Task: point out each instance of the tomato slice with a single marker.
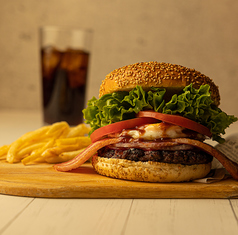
(177, 120)
(119, 126)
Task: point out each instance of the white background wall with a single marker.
(200, 34)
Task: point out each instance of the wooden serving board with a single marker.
(43, 181)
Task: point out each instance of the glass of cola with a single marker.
(64, 68)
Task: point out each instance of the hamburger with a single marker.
(150, 123)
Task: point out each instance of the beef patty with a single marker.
(185, 157)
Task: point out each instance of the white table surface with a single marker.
(25, 215)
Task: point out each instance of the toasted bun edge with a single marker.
(148, 171)
(148, 74)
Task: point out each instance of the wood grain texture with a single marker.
(70, 216)
(117, 216)
(11, 207)
(181, 217)
(43, 181)
(234, 205)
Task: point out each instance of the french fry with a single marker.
(37, 153)
(79, 130)
(63, 157)
(64, 146)
(81, 142)
(24, 152)
(58, 129)
(3, 151)
(28, 137)
(53, 143)
(55, 151)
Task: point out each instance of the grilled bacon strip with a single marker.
(85, 155)
(230, 166)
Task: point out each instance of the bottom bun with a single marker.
(149, 171)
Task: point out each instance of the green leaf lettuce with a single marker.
(194, 104)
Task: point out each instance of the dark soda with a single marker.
(64, 76)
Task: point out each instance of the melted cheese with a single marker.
(155, 131)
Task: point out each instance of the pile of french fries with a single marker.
(51, 144)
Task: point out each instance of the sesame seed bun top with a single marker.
(148, 74)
